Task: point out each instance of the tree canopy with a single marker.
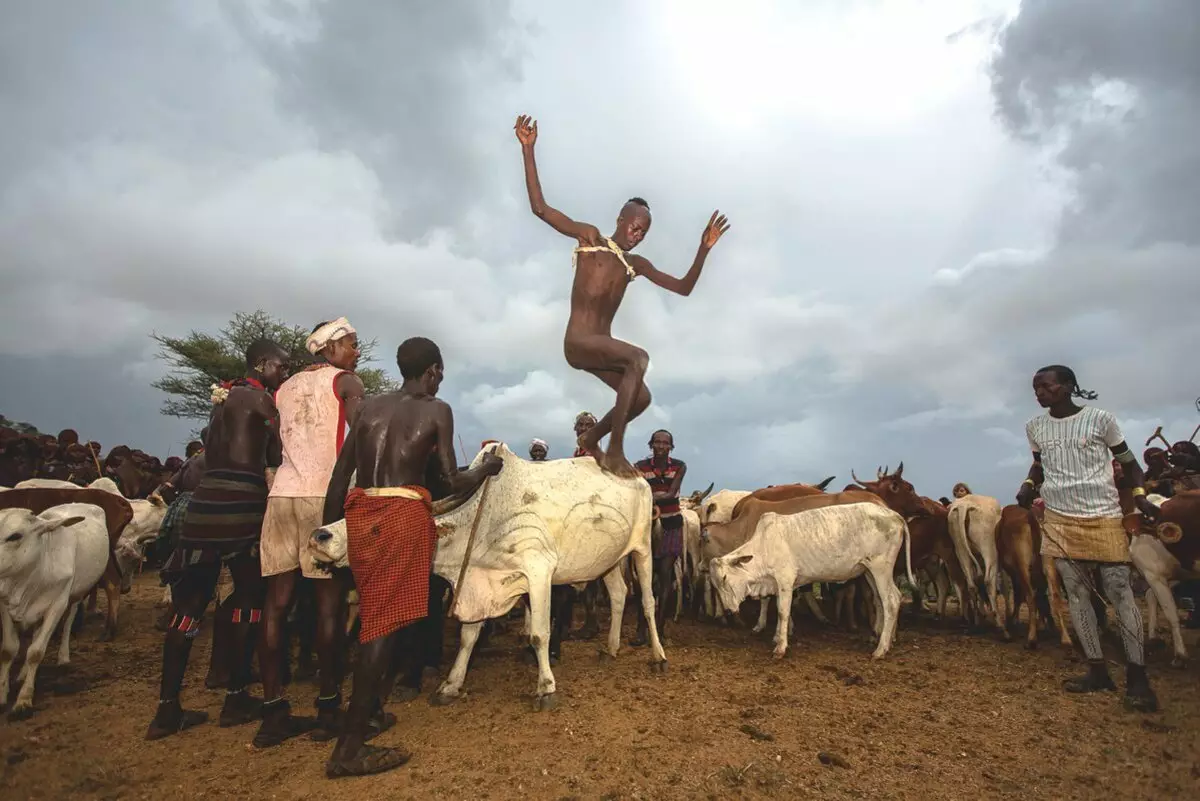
(201, 359)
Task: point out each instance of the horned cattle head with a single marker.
(694, 500)
(897, 493)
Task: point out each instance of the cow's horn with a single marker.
(825, 483)
(900, 469)
(856, 481)
(1157, 433)
(1169, 533)
(704, 494)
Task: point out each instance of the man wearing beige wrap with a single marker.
(1082, 529)
(315, 409)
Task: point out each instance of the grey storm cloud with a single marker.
(1020, 191)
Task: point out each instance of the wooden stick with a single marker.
(462, 573)
(96, 459)
(1192, 438)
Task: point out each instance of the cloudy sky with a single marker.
(929, 201)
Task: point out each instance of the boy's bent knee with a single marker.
(639, 360)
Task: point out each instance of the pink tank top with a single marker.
(312, 425)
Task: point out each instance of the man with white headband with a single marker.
(316, 406)
(539, 450)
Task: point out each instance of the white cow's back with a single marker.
(831, 543)
(565, 513)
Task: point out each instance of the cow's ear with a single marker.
(52, 525)
(743, 559)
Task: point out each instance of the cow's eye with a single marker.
(13, 537)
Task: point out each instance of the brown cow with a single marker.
(1018, 547)
(117, 514)
(782, 492)
(1177, 527)
(928, 529)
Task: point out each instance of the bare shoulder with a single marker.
(348, 383)
(439, 407)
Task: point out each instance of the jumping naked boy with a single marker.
(604, 268)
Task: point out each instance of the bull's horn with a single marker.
(704, 494)
(825, 483)
(900, 470)
(1157, 433)
(880, 472)
(856, 481)
(1169, 533)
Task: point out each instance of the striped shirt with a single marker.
(1077, 461)
(660, 480)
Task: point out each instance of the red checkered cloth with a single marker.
(390, 542)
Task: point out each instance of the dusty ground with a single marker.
(946, 715)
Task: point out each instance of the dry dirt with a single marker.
(946, 715)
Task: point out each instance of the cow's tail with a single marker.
(959, 520)
(908, 555)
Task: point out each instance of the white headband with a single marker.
(330, 332)
(537, 442)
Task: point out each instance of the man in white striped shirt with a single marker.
(1082, 528)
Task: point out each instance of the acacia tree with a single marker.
(200, 360)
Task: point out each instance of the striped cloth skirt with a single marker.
(223, 520)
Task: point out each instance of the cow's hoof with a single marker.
(1031, 645)
(779, 654)
(1005, 636)
(554, 660)
(545, 703)
(1179, 662)
(604, 656)
(658, 667)
(108, 636)
(18, 713)
(438, 699)
(405, 694)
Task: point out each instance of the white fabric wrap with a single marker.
(330, 332)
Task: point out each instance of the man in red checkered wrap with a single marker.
(390, 538)
(399, 444)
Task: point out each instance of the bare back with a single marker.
(394, 436)
(240, 429)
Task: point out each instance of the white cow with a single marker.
(547, 523)
(1160, 568)
(719, 508)
(47, 563)
(972, 520)
(103, 483)
(142, 529)
(834, 543)
(131, 547)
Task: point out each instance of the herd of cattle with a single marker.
(540, 525)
